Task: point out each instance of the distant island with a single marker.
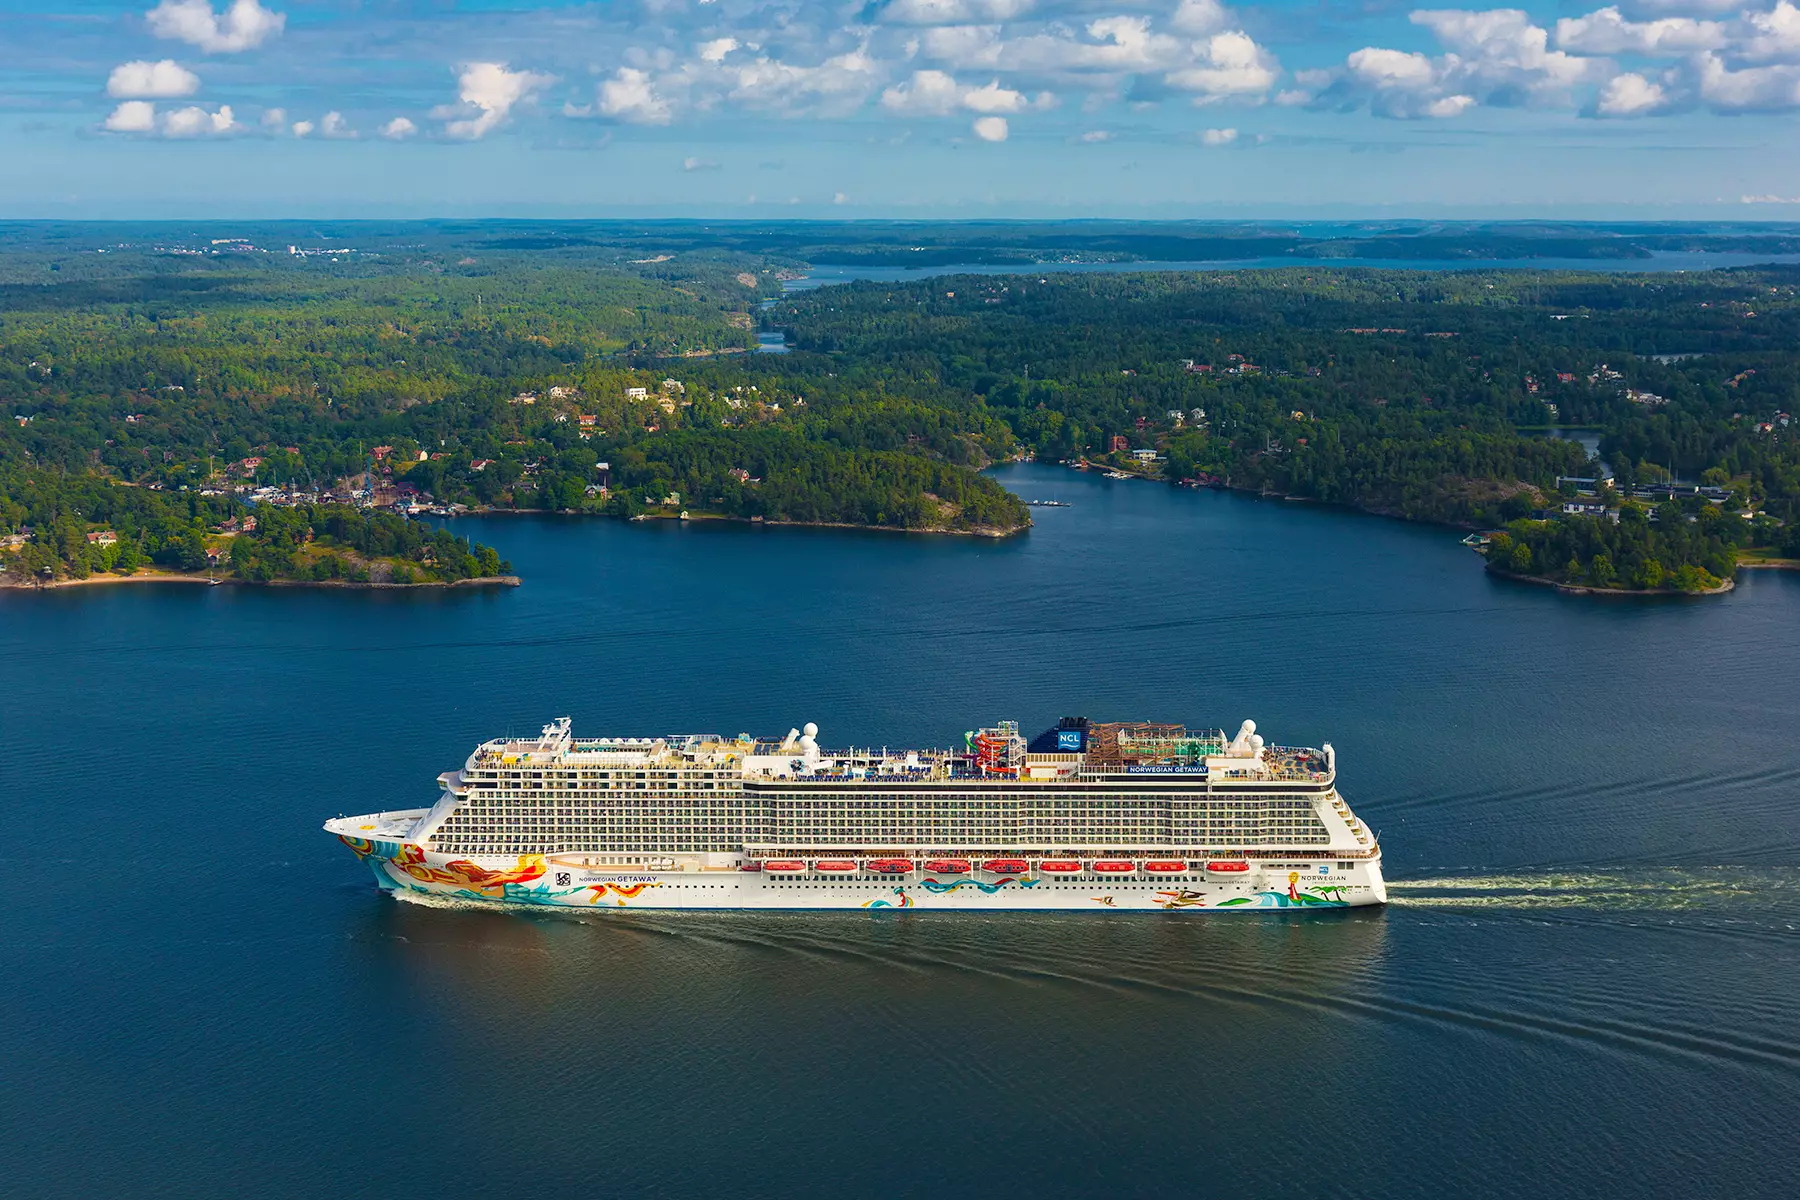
(318, 546)
(153, 575)
(164, 395)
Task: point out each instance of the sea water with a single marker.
(1584, 985)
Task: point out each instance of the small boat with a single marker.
(1114, 866)
(834, 864)
(890, 866)
(1060, 866)
(947, 866)
(1227, 866)
(784, 865)
(1006, 866)
(1165, 868)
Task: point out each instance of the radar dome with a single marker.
(810, 729)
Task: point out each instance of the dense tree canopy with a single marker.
(571, 369)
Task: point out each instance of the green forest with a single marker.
(184, 397)
(1442, 396)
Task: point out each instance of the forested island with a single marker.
(142, 534)
(273, 403)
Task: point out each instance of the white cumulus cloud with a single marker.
(838, 84)
(1226, 64)
(630, 96)
(990, 129)
(1115, 44)
(133, 116)
(243, 26)
(1630, 95)
(953, 12)
(301, 128)
(927, 93)
(1217, 137)
(1096, 135)
(488, 92)
(1449, 106)
(994, 99)
(141, 116)
(141, 80)
(1608, 31)
(1495, 56)
(1772, 35)
(1201, 16)
(194, 121)
(399, 129)
(716, 50)
(333, 125)
(1772, 88)
(938, 94)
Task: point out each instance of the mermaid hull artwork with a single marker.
(565, 881)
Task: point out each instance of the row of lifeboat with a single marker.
(1002, 866)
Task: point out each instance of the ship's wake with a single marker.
(1652, 888)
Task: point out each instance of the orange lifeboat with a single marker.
(1063, 866)
(1165, 868)
(890, 866)
(1114, 866)
(947, 866)
(1006, 866)
(784, 865)
(834, 864)
(1227, 866)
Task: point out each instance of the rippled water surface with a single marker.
(1584, 985)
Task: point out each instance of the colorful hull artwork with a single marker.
(537, 880)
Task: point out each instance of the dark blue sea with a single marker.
(1586, 985)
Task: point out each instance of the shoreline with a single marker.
(99, 580)
(1581, 589)
(1258, 493)
(987, 531)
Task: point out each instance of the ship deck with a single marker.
(385, 826)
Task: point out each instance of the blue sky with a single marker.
(910, 108)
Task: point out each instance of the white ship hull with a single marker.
(554, 881)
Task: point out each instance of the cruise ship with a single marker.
(1085, 816)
